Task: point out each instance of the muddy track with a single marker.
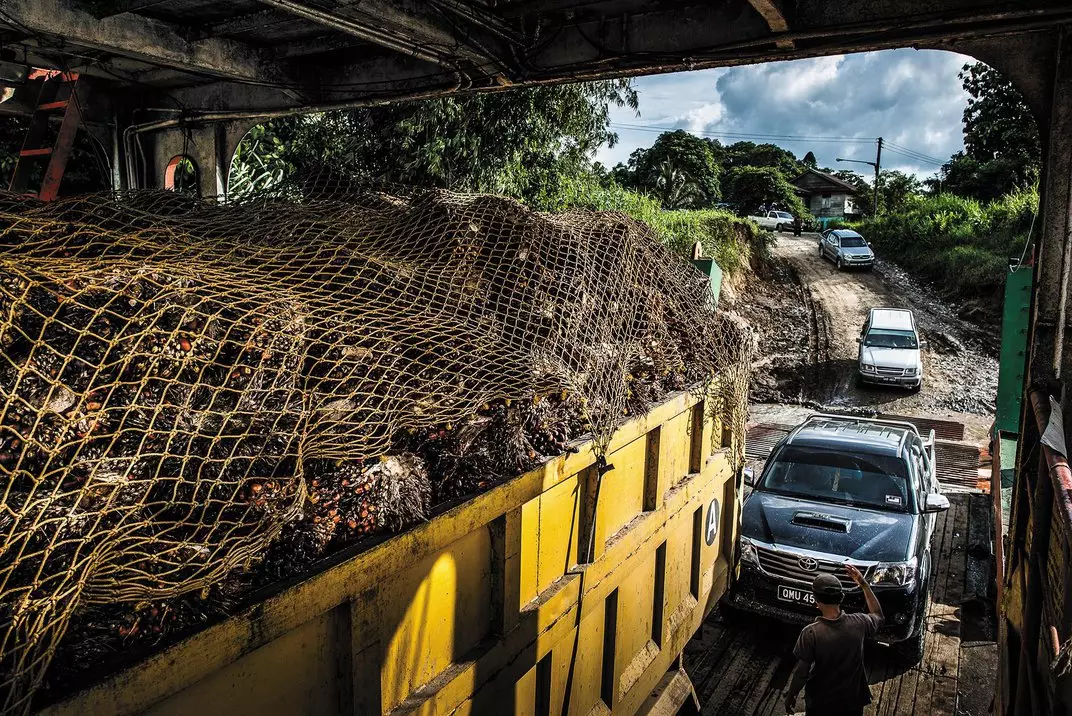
(807, 301)
(823, 382)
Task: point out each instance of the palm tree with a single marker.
(677, 189)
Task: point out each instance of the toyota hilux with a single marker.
(843, 490)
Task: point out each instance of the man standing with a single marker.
(830, 652)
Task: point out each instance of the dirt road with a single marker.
(809, 315)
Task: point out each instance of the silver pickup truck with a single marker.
(774, 220)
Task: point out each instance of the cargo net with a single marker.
(183, 381)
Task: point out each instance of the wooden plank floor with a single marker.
(742, 668)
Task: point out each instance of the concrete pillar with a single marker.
(210, 147)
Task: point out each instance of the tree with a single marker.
(750, 154)
(690, 156)
(519, 143)
(1001, 141)
(677, 190)
(809, 160)
(895, 188)
(749, 188)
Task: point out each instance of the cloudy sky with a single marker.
(837, 105)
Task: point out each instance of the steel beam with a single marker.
(247, 22)
(395, 30)
(774, 16)
(142, 38)
(108, 8)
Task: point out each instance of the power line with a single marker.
(912, 152)
(744, 135)
(916, 157)
(806, 139)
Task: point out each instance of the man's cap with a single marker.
(827, 585)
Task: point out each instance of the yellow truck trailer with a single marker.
(539, 596)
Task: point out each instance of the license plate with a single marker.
(792, 594)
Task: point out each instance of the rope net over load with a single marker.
(180, 381)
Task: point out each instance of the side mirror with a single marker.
(936, 503)
(858, 339)
(750, 477)
(870, 245)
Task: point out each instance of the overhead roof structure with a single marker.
(826, 182)
(207, 56)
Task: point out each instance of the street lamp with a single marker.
(876, 164)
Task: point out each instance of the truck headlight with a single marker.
(893, 573)
(867, 368)
(911, 371)
(748, 552)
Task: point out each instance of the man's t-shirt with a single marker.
(835, 650)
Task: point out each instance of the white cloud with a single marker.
(912, 98)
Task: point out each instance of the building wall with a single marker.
(832, 205)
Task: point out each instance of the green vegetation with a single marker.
(679, 170)
(1001, 140)
(959, 243)
(750, 187)
(732, 241)
(532, 144)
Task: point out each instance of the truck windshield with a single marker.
(878, 338)
(852, 242)
(874, 481)
(783, 215)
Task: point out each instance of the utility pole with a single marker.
(878, 167)
(877, 164)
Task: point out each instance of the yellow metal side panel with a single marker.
(295, 674)
(434, 613)
(530, 548)
(678, 572)
(586, 678)
(621, 495)
(674, 461)
(560, 511)
(635, 594)
(525, 694)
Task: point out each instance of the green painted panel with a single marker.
(1013, 348)
(709, 268)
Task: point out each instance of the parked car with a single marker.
(774, 220)
(890, 349)
(846, 249)
(843, 490)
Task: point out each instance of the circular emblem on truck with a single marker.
(712, 522)
(808, 564)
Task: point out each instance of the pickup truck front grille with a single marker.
(786, 565)
(889, 371)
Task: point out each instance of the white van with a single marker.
(889, 349)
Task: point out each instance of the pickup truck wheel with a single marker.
(910, 651)
(839, 266)
(779, 227)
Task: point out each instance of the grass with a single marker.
(732, 241)
(959, 244)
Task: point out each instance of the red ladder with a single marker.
(57, 95)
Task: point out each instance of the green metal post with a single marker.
(1014, 322)
(709, 268)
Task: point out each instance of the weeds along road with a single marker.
(809, 315)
